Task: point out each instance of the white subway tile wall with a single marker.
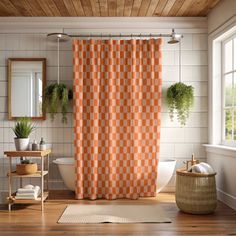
(176, 142)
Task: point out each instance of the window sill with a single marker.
(221, 149)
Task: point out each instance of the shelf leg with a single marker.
(9, 182)
(21, 185)
(9, 206)
(48, 172)
(42, 182)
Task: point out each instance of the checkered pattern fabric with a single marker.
(117, 104)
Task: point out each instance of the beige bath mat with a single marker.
(93, 214)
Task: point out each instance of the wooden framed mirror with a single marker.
(26, 84)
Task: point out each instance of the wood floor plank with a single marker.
(28, 220)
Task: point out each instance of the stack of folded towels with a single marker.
(28, 192)
(201, 168)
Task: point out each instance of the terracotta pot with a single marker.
(26, 169)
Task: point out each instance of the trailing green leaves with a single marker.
(56, 99)
(180, 99)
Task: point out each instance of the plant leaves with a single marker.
(56, 99)
(180, 98)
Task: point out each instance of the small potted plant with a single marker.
(23, 128)
(180, 99)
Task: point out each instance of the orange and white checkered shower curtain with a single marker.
(117, 103)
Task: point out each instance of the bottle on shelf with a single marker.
(42, 145)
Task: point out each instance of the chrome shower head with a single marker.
(61, 36)
(175, 38)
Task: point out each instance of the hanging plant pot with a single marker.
(56, 99)
(180, 99)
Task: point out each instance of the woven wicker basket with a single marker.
(195, 193)
(26, 169)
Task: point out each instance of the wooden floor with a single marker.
(29, 221)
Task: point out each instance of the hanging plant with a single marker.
(56, 99)
(180, 99)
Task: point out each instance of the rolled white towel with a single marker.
(26, 197)
(28, 190)
(201, 168)
(28, 193)
(207, 167)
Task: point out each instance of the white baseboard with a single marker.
(168, 189)
(226, 198)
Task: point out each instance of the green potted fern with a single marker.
(180, 98)
(22, 129)
(56, 98)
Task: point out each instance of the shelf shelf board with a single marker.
(30, 201)
(27, 153)
(35, 175)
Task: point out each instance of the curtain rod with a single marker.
(174, 38)
(118, 35)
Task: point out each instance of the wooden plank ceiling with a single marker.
(106, 7)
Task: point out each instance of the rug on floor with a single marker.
(93, 214)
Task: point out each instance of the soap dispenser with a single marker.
(42, 145)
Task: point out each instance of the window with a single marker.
(229, 90)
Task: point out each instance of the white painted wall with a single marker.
(21, 38)
(221, 13)
(221, 22)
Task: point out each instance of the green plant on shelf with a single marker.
(23, 127)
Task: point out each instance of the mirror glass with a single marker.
(26, 84)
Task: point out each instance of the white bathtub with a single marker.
(67, 170)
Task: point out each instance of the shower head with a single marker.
(58, 36)
(175, 38)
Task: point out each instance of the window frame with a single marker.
(232, 37)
